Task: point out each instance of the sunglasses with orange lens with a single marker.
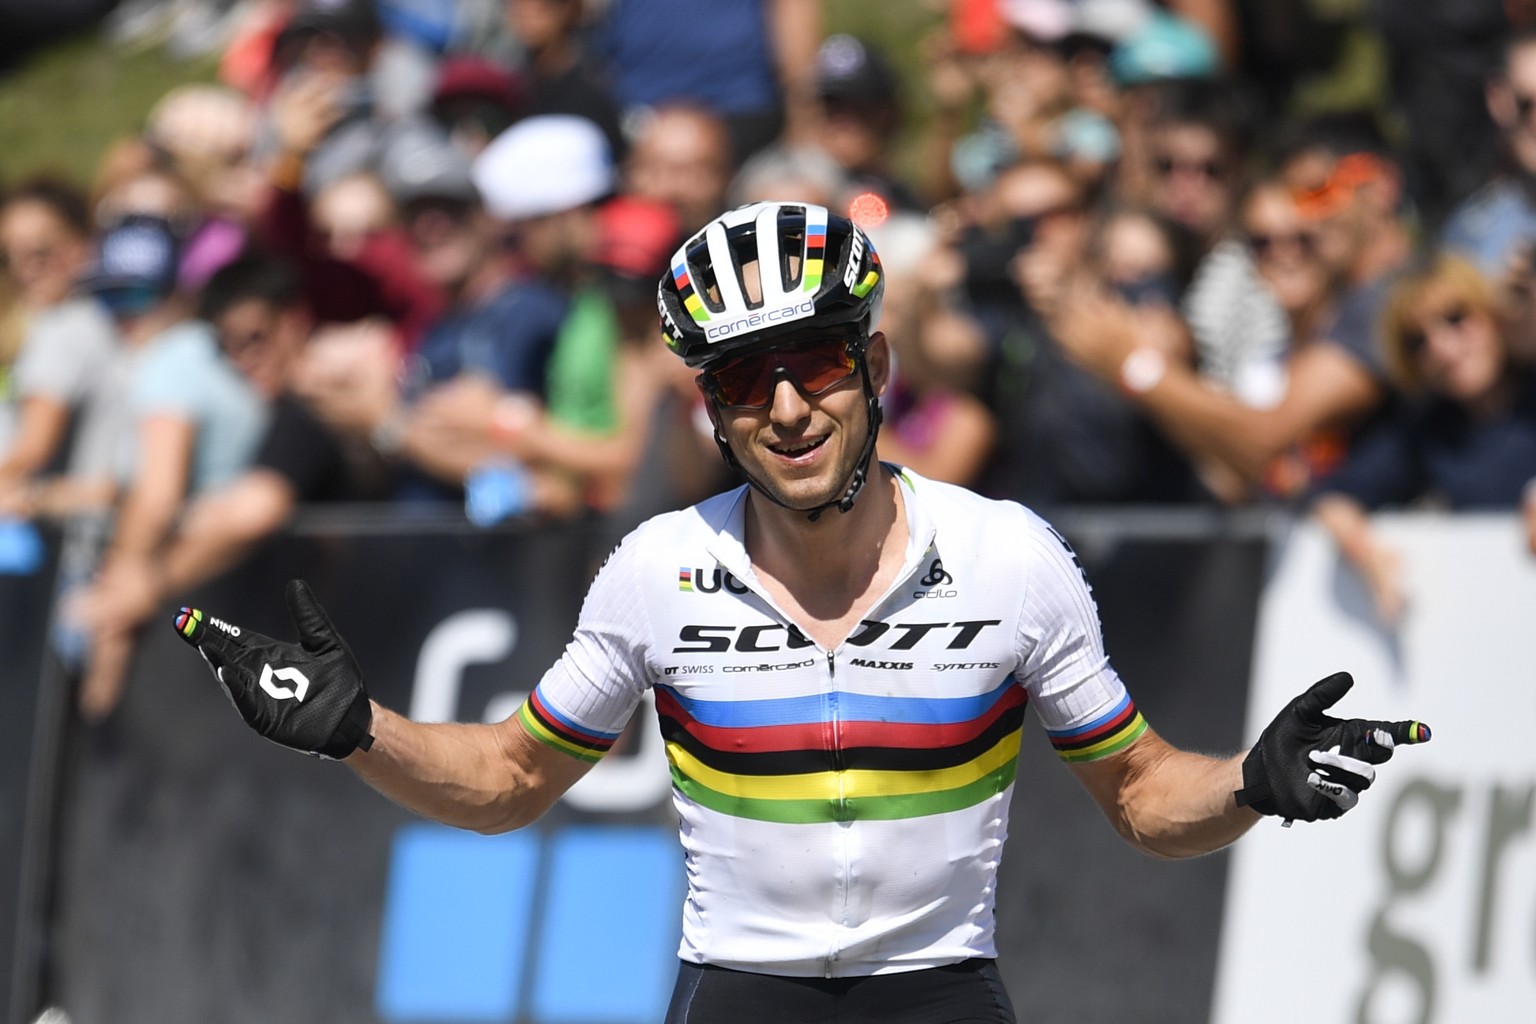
(749, 382)
(1348, 174)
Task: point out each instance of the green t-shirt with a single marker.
(580, 373)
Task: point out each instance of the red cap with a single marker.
(461, 77)
(637, 236)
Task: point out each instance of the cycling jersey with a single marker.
(842, 811)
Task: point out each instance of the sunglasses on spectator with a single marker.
(1415, 341)
(1167, 166)
(1336, 192)
(813, 368)
(1524, 105)
(1265, 245)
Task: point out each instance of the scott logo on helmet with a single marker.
(763, 318)
(855, 256)
(288, 675)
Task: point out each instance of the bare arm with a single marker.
(1378, 564)
(1167, 802)
(488, 778)
(1326, 388)
(159, 485)
(796, 29)
(39, 432)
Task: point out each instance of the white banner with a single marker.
(1419, 906)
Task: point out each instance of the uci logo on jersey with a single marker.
(270, 676)
(691, 580)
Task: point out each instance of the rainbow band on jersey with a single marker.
(1112, 731)
(896, 757)
(555, 730)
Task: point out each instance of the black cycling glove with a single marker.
(308, 695)
(1308, 765)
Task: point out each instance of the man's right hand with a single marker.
(308, 696)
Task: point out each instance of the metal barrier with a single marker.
(206, 876)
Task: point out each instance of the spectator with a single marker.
(475, 100)
(681, 156)
(930, 424)
(561, 78)
(1194, 159)
(1466, 441)
(1071, 438)
(1253, 293)
(256, 306)
(206, 133)
(753, 66)
(1348, 185)
(68, 344)
(378, 276)
(192, 422)
(1438, 60)
(1496, 226)
(325, 55)
(542, 180)
(860, 107)
(1334, 380)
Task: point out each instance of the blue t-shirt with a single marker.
(712, 52)
(508, 337)
(1492, 224)
(1436, 449)
(181, 372)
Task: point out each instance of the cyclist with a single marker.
(841, 652)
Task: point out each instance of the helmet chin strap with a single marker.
(856, 479)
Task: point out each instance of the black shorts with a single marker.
(970, 992)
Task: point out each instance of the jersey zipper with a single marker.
(840, 814)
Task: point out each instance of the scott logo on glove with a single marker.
(315, 702)
(288, 675)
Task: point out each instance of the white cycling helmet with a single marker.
(807, 268)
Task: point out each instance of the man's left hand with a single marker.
(1309, 765)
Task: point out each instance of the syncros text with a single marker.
(895, 636)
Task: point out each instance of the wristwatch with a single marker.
(1143, 370)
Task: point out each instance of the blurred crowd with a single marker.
(405, 251)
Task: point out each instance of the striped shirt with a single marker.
(842, 811)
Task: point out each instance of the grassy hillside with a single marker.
(60, 109)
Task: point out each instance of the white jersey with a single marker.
(842, 811)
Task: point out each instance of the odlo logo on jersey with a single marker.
(271, 676)
(691, 580)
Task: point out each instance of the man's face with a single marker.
(1191, 179)
(446, 241)
(263, 342)
(42, 253)
(538, 23)
(682, 158)
(1512, 102)
(803, 446)
(853, 134)
(1284, 246)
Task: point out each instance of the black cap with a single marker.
(136, 264)
(849, 70)
(354, 20)
(419, 161)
